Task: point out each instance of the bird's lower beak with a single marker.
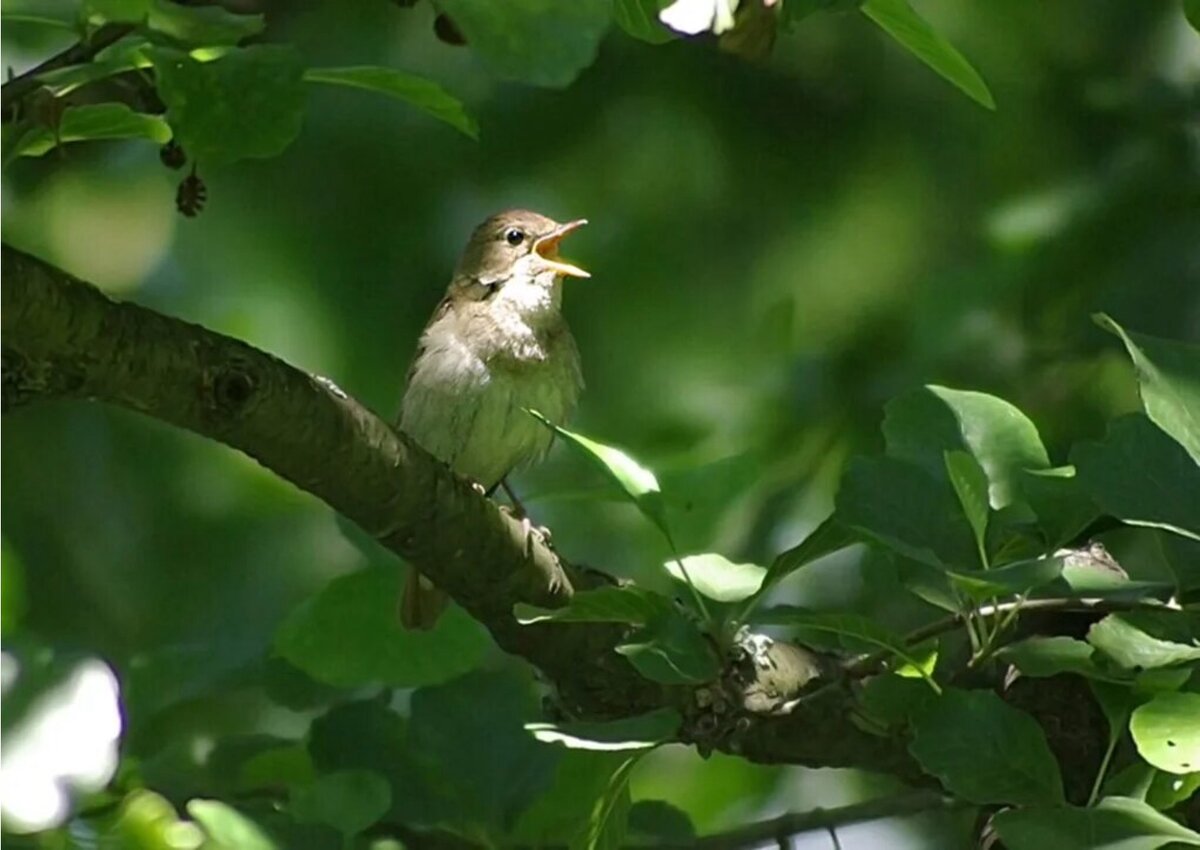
(547, 248)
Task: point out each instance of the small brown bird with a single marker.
(495, 346)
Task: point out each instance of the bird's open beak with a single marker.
(546, 247)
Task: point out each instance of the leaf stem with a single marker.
(1100, 774)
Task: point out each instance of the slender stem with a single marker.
(867, 664)
(696, 596)
(1113, 738)
(78, 53)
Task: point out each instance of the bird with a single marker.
(496, 347)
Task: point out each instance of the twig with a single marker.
(782, 828)
(78, 53)
(867, 664)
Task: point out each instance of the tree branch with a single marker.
(62, 338)
(78, 53)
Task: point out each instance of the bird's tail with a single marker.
(421, 603)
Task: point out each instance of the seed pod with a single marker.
(447, 31)
(172, 155)
(191, 195)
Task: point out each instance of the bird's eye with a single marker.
(514, 236)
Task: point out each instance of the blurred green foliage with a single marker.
(778, 249)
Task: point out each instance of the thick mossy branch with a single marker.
(62, 338)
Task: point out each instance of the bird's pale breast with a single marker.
(466, 398)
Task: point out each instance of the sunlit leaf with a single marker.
(637, 482)
(631, 733)
(94, 122)
(114, 11)
(1142, 641)
(1141, 475)
(227, 828)
(424, 94)
(1169, 379)
(985, 751)
(717, 577)
(202, 25)
(922, 425)
(901, 22)
(1167, 731)
(1114, 822)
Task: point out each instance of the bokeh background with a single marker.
(777, 249)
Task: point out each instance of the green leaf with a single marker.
(1138, 642)
(828, 537)
(227, 828)
(970, 484)
(1167, 790)
(921, 426)
(367, 735)
(1118, 823)
(93, 122)
(845, 625)
(717, 577)
(1168, 374)
(1142, 476)
(893, 700)
(607, 821)
(543, 42)
(247, 104)
(1167, 731)
(114, 11)
(563, 815)
(671, 649)
(348, 635)
(471, 735)
(424, 94)
(637, 482)
(657, 822)
(900, 506)
(631, 733)
(1008, 580)
(1062, 507)
(1040, 657)
(202, 26)
(347, 800)
(985, 751)
(1191, 11)
(614, 604)
(639, 18)
(901, 22)
(10, 18)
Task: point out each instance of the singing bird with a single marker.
(496, 346)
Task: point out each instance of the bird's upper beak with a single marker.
(546, 247)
